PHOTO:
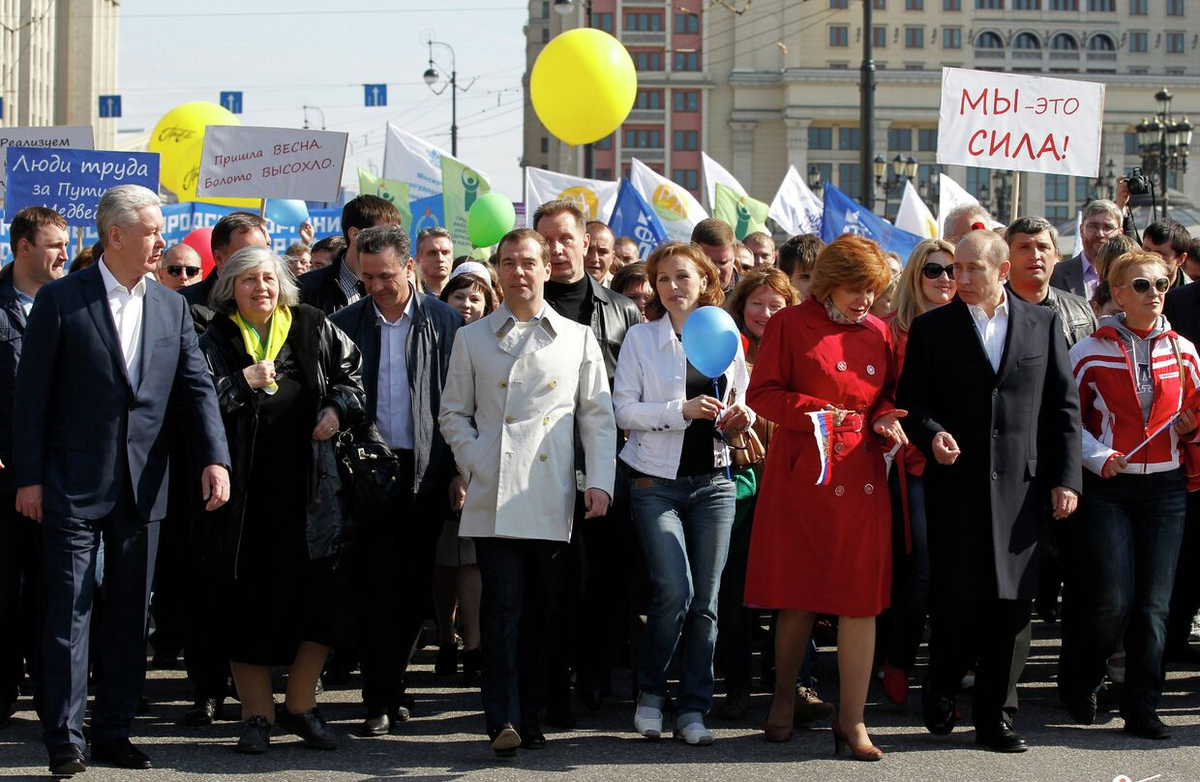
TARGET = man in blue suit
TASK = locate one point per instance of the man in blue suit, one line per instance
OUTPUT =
(107, 353)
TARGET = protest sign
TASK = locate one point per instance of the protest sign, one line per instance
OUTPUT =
(57, 137)
(71, 181)
(251, 162)
(1020, 123)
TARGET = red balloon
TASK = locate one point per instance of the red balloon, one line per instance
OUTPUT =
(200, 240)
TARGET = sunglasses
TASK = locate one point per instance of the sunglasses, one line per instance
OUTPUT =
(1141, 285)
(934, 270)
(186, 271)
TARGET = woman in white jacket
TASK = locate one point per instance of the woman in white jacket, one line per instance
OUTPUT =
(683, 503)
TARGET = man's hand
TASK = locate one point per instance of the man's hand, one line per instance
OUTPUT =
(458, 493)
(945, 450)
(29, 502)
(1064, 500)
(214, 486)
(306, 232)
(596, 501)
(889, 426)
(1115, 464)
(1122, 195)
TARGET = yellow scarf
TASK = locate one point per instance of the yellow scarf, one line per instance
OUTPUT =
(277, 331)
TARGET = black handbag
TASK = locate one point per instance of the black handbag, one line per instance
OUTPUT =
(371, 475)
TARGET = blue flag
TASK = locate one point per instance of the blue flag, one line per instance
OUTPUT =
(635, 218)
(844, 215)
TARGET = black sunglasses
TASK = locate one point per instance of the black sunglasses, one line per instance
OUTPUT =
(186, 271)
(1142, 285)
(934, 270)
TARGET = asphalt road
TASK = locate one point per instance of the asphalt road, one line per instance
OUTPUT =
(443, 742)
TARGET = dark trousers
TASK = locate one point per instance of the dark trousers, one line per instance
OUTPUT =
(910, 575)
(1122, 565)
(609, 553)
(168, 600)
(734, 652)
(18, 583)
(984, 633)
(519, 616)
(69, 547)
(1185, 595)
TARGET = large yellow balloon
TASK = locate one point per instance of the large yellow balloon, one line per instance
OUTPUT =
(191, 176)
(583, 85)
(177, 133)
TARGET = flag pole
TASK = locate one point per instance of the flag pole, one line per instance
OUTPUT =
(1016, 197)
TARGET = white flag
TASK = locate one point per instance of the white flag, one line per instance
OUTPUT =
(950, 196)
(412, 160)
(914, 216)
(795, 208)
(676, 207)
(595, 197)
(715, 174)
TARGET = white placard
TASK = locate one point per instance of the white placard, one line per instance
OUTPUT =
(1020, 123)
(246, 162)
(55, 137)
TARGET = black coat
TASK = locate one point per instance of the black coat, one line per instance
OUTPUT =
(319, 288)
(1182, 309)
(612, 316)
(1019, 435)
(197, 298)
(329, 361)
(428, 352)
(12, 328)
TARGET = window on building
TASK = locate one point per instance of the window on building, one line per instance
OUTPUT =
(1083, 189)
(1057, 187)
(848, 175)
(1174, 43)
(825, 170)
(951, 38)
(839, 35)
(1102, 6)
(1057, 213)
(989, 5)
(1027, 5)
(642, 138)
(604, 174)
(1176, 71)
(1139, 41)
(686, 100)
(688, 24)
(927, 139)
(839, 3)
(604, 143)
(978, 182)
(1027, 41)
(951, 5)
(686, 61)
(685, 139)
(687, 178)
(645, 23)
(820, 138)
(1174, 7)
(1064, 5)
(880, 5)
(647, 61)
(1139, 70)
(1137, 7)
(1101, 42)
(849, 138)
(914, 5)
(989, 40)
(899, 139)
(648, 99)
(1131, 143)
(545, 144)
(1064, 43)
(879, 37)
(603, 22)
(914, 37)
(839, 66)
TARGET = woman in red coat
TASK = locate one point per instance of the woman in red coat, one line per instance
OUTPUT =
(822, 530)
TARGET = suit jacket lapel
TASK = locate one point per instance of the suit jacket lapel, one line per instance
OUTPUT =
(1016, 323)
(154, 321)
(102, 316)
(968, 339)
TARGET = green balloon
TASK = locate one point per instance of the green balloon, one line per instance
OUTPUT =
(489, 219)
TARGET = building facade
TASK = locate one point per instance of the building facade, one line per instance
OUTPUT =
(761, 84)
(57, 58)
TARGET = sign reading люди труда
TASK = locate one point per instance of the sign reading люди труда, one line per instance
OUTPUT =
(71, 181)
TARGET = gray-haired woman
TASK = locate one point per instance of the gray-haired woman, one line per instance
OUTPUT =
(287, 380)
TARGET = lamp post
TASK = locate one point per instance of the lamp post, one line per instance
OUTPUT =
(902, 170)
(564, 7)
(866, 100)
(1163, 143)
(1002, 187)
(930, 189)
(1105, 186)
(814, 177)
(431, 78)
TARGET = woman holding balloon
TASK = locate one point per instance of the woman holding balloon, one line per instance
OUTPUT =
(821, 542)
(680, 397)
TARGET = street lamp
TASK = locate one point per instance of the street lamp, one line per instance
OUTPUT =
(1104, 186)
(1164, 143)
(902, 170)
(432, 77)
(814, 177)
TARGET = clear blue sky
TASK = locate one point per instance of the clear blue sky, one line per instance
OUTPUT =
(285, 54)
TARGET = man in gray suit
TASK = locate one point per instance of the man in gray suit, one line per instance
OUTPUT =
(1101, 222)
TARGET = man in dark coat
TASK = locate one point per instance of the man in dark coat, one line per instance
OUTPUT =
(338, 285)
(993, 406)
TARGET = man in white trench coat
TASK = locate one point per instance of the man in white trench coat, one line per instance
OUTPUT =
(520, 381)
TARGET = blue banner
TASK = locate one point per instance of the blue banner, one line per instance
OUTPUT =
(844, 215)
(71, 181)
(635, 218)
(426, 213)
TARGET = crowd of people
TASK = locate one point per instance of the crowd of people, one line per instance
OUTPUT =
(951, 442)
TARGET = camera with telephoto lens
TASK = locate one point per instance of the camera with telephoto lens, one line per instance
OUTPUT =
(1137, 182)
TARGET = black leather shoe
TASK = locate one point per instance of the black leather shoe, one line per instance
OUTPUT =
(205, 711)
(505, 740)
(66, 760)
(446, 663)
(120, 753)
(1148, 727)
(532, 738)
(1082, 708)
(938, 712)
(1002, 738)
(380, 725)
(733, 707)
(256, 736)
(309, 726)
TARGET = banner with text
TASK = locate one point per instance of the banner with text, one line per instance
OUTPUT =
(1020, 123)
(71, 181)
(596, 197)
(248, 162)
(56, 137)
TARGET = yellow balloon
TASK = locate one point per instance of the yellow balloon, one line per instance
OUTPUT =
(191, 176)
(583, 85)
(177, 132)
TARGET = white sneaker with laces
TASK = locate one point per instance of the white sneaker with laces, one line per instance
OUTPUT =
(695, 734)
(647, 721)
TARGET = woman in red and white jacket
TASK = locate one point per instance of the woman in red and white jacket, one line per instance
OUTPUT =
(1135, 377)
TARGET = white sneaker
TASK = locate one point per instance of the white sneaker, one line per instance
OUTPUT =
(695, 733)
(647, 721)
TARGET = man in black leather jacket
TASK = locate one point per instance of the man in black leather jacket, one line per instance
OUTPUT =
(337, 285)
(1033, 252)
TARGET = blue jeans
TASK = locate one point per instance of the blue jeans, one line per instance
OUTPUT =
(1120, 564)
(684, 525)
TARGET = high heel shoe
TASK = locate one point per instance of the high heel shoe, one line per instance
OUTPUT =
(778, 734)
(868, 752)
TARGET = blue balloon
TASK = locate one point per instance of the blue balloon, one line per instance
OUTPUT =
(710, 340)
(289, 212)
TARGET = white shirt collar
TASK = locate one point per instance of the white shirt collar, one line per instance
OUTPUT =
(509, 314)
(408, 310)
(111, 283)
(1001, 308)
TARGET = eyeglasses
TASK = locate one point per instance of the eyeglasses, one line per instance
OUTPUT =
(1141, 285)
(934, 270)
(186, 271)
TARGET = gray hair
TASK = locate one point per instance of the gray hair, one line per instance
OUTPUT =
(435, 231)
(1102, 206)
(250, 259)
(963, 211)
(119, 206)
(381, 237)
(988, 244)
(1031, 226)
(164, 260)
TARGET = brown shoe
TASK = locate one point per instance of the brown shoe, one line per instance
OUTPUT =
(810, 707)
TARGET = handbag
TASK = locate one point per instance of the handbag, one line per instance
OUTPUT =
(371, 474)
(749, 451)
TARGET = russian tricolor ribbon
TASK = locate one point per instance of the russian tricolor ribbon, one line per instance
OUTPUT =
(823, 423)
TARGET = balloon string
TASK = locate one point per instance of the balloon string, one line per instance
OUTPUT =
(728, 458)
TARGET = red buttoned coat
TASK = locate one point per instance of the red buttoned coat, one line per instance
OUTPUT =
(822, 548)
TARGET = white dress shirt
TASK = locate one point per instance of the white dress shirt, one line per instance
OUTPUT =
(393, 398)
(127, 308)
(993, 330)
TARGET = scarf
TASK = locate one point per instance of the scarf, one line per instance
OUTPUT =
(277, 331)
(836, 315)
